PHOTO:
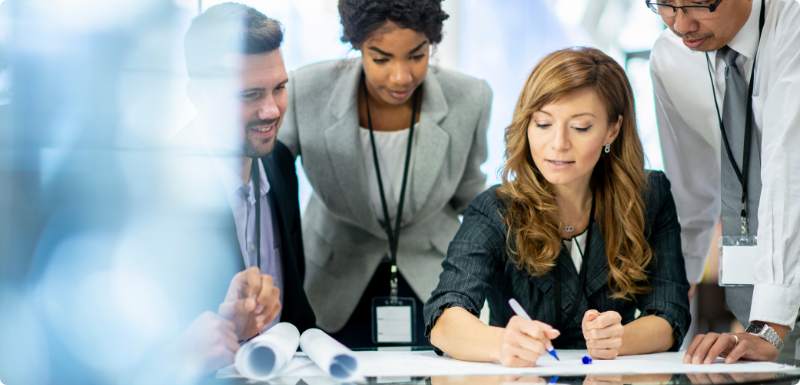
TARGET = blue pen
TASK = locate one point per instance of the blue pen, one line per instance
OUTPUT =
(521, 312)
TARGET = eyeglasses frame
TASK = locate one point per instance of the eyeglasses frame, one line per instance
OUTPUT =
(711, 7)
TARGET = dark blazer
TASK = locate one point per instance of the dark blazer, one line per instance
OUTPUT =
(478, 267)
(280, 169)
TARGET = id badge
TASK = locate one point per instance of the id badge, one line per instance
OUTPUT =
(737, 257)
(393, 321)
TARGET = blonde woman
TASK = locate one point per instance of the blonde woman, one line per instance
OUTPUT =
(578, 232)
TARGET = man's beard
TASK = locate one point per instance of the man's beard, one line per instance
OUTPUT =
(260, 148)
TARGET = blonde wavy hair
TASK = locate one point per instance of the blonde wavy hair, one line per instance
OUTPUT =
(618, 179)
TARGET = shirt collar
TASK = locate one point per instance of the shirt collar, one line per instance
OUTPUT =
(226, 166)
(746, 41)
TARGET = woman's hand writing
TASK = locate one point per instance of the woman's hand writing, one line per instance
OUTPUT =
(523, 342)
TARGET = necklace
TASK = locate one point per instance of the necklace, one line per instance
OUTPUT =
(569, 228)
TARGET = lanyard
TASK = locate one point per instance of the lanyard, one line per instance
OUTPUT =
(744, 174)
(255, 175)
(581, 277)
(392, 234)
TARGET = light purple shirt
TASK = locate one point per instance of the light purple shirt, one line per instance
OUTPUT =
(242, 203)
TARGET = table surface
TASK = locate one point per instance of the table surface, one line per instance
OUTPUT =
(786, 378)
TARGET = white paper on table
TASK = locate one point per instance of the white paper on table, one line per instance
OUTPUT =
(267, 355)
(427, 363)
(332, 357)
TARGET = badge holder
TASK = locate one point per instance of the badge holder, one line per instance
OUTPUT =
(393, 317)
(737, 256)
(393, 321)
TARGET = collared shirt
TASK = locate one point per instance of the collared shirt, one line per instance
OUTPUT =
(690, 142)
(242, 201)
(576, 246)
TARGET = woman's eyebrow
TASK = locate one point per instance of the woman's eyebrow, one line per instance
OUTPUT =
(573, 116)
(418, 47)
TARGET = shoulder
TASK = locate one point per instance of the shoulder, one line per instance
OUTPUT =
(786, 14)
(282, 157)
(460, 88)
(664, 50)
(788, 9)
(324, 68)
(314, 85)
(321, 75)
(488, 204)
(656, 192)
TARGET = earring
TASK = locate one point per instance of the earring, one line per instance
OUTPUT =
(608, 148)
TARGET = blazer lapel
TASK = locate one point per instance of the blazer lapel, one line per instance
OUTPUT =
(277, 189)
(596, 276)
(431, 144)
(597, 267)
(343, 140)
(292, 272)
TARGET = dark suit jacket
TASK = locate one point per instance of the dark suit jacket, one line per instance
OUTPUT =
(282, 176)
(478, 267)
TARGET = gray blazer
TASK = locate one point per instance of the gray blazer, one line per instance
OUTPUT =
(343, 240)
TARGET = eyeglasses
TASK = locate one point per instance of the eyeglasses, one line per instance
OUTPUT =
(697, 12)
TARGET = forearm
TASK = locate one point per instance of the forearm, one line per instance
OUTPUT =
(464, 337)
(649, 334)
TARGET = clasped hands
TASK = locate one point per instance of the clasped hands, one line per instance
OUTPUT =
(212, 339)
(251, 303)
(523, 341)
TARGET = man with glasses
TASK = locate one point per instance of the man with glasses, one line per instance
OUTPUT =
(727, 88)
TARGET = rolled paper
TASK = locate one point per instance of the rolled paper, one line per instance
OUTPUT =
(267, 355)
(330, 355)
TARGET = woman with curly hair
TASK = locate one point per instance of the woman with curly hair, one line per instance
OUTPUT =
(392, 147)
(579, 233)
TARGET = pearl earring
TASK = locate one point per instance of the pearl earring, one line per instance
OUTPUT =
(608, 148)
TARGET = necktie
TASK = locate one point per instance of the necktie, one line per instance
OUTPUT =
(734, 115)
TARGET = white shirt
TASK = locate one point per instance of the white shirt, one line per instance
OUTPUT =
(242, 203)
(577, 252)
(392, 148)
(690, 144)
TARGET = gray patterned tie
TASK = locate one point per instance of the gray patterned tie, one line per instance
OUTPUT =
(734, 114)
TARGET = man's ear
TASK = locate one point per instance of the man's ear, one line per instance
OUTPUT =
(195, 93)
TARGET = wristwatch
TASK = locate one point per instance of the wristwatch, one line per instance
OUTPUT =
(766, 333)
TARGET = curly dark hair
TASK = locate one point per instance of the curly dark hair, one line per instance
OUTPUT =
(361, 18)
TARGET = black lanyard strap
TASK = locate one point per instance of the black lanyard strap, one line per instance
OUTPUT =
(581, 277)
(742, 174)
(255, 175)
(392, 234)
